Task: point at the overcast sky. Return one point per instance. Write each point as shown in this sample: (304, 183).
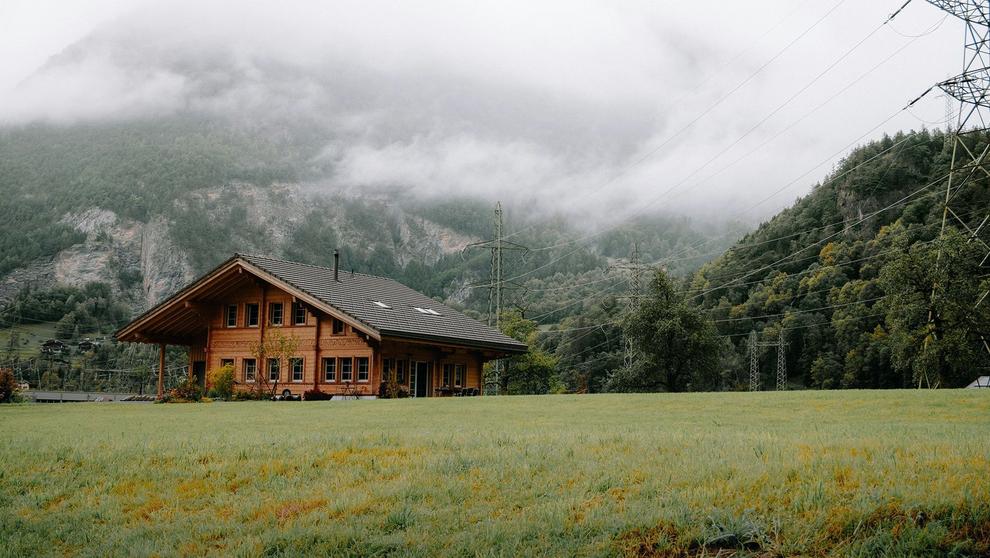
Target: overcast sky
(609, 107)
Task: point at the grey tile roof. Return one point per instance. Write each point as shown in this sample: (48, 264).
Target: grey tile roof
(355, 295)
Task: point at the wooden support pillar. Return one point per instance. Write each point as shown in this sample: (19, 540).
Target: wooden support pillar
(161, 370)
(375, 369)
(318, 365)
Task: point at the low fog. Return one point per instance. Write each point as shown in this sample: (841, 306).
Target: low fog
(608, 108)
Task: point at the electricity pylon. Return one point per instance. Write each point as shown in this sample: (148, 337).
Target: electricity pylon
(637, 268)
(971, 89)
(495, 286)
(756, 348)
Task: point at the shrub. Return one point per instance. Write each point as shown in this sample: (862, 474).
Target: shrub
(317, 395)
(250, 395)
(188, 390)
(391, 389)
(221, 382)
(8, 386)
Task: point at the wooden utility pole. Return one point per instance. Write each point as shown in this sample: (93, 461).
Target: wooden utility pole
(161, 370)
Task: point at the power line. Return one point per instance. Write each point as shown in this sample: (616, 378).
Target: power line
(833, 235)
(496, 284)
(709, 109)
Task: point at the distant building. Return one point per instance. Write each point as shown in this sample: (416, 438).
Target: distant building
(354, 331)
(981, 382)
(53, 347)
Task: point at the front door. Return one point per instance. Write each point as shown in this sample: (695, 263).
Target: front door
(199, 372)
(420, 379)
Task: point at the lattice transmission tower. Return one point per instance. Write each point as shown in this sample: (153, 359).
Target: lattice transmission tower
(637, 269)
(971, 90)
(756, 348)
(496, 285)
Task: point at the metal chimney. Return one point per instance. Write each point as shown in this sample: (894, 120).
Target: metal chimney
(336, 264)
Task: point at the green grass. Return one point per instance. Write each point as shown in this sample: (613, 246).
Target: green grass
(32, 336)
(857, 473)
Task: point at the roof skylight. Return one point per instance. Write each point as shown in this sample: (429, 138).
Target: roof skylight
(380, 304)
(429, 311)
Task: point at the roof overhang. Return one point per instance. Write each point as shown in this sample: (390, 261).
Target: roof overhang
(181, 320)
(512, 349)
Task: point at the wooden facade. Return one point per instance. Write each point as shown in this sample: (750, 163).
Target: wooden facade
(223, 318)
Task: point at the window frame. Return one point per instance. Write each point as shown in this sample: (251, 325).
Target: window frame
(367, 369)
(349, 361)
(226, 361)
(401, 367)
(227, 316)
(281, 313)
(248, 306)
(333, 361)
(460, 375)
(302, 369)
(254, 370)
(278, 370)
(388, 368)
(335, 324)
(447, 374)
(296, 308)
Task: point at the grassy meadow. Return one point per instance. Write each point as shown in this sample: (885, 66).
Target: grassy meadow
(895, 473)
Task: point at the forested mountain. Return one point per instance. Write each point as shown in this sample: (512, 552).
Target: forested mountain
(107, 219)
(848, 273)
(103, 220)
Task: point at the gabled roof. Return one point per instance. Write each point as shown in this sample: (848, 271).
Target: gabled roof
(377, 305)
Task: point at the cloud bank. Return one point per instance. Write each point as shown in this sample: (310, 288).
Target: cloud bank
(598, 107)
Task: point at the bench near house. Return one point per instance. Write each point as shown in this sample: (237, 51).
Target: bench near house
(354, 331)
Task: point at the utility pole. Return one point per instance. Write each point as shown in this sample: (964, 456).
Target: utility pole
(496, 285)
(781, 363)
(971, 89)
(756, 348)
(754, 362)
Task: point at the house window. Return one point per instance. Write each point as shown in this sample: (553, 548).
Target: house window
(296, 366)
(388, 367)
(330, 370)
(226, 362)
(250, 369)
(275, 313)
(400, 371)
(346, 370)
(251, 314)
(459, 373)
(299, 314)
(338, 327)
(362, 366)
(448, 370)
(232, 315)
(273, 370)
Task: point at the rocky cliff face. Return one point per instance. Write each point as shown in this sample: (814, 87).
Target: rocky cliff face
(144, 264)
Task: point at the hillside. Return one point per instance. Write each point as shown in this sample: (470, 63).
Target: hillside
(136, 209)
(847, 273)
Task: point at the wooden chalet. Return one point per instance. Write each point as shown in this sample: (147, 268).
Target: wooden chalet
(353, 331)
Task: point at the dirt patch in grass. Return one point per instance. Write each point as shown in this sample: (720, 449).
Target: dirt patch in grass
(286, 511)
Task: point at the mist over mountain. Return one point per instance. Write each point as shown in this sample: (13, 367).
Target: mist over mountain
(601, 112)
